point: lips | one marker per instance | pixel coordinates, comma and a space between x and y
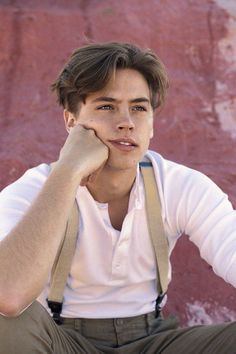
124, 144
124, 141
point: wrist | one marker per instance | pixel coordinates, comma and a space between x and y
65, 171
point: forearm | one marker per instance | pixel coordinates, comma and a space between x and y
27, 253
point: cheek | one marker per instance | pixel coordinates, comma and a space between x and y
87, 122
91, 120
150, 129
101, 130
151, 133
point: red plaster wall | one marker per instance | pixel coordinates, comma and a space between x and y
195, 39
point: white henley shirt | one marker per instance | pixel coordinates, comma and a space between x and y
113, 273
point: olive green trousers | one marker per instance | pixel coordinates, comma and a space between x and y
34, 332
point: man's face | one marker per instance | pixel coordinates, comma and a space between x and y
122, 117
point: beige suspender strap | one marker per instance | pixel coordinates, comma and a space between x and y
155, 224
62, 264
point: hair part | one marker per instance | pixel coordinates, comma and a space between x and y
90, 68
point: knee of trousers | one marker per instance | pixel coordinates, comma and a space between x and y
34, 322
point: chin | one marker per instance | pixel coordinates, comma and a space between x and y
122, 163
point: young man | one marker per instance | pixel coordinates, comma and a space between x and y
109, 93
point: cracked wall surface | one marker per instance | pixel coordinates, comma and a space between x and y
197, 127
225, 101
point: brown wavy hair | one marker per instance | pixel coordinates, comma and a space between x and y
90, 67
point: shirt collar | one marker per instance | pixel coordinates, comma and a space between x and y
136, 200
137, 192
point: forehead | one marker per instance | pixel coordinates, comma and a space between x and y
124, 83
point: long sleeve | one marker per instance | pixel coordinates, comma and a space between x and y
193, 204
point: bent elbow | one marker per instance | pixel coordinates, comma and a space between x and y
11, 308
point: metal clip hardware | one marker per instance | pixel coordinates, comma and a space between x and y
56, 308
158, 307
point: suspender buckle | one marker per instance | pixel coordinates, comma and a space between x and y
56, 308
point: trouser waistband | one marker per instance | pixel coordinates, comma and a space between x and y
104, 322
113, 331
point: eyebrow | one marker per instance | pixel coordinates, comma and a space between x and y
111, 99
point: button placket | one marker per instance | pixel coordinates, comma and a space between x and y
119, 263
120, 258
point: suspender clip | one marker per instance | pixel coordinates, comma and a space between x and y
158, 307
56, 308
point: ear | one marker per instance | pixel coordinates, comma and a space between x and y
69, 119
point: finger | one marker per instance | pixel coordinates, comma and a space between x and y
85, 126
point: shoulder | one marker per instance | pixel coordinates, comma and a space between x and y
166, 166
176, 178
187, 196
30, 180
16, 198
166, 169
21, 193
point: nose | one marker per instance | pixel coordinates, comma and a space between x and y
125, 121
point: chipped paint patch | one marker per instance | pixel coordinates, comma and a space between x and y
227, 45
225, 103
226, 111
204, 313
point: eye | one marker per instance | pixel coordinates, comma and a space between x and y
106, 107
139, 108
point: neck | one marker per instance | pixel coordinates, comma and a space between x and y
111, 185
